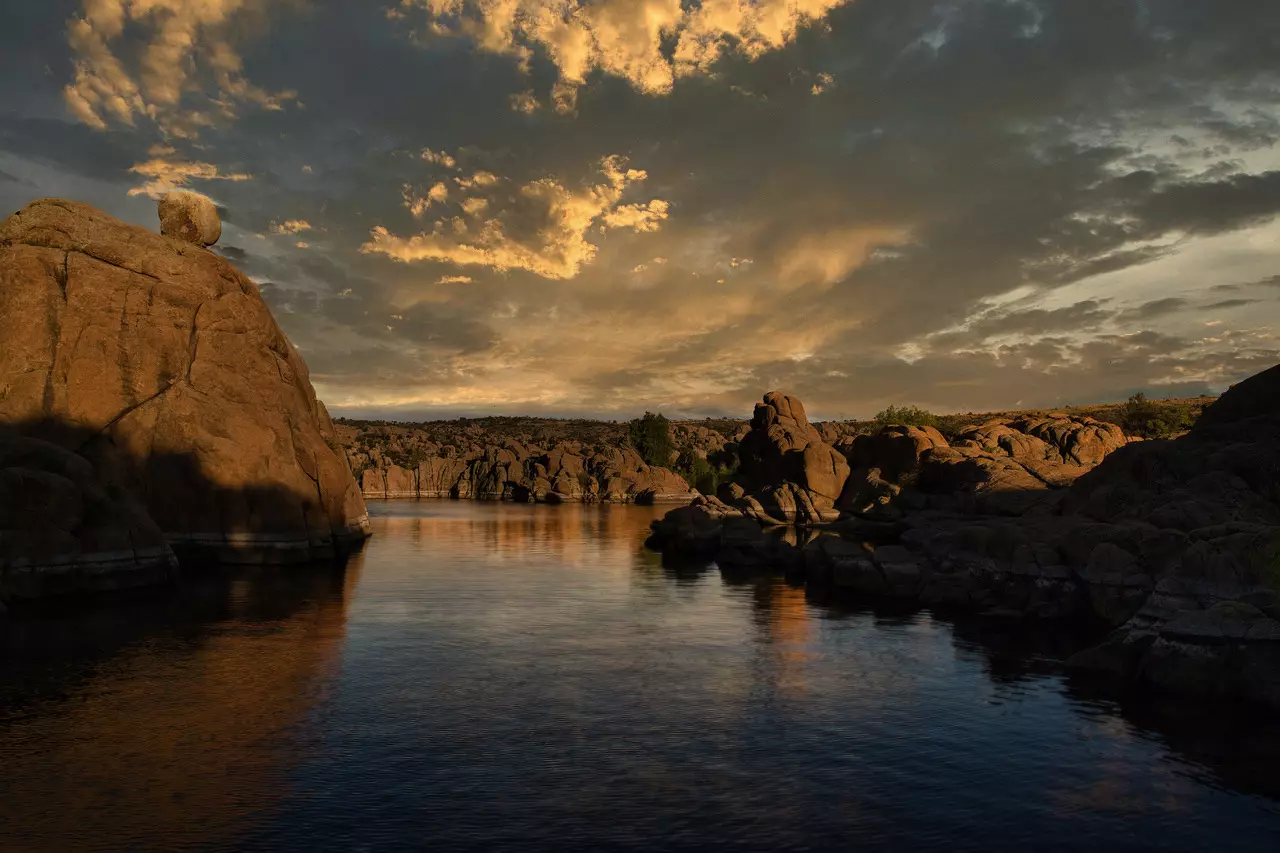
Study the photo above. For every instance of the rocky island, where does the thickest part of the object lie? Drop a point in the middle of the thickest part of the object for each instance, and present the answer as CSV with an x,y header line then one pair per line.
x,y
152,412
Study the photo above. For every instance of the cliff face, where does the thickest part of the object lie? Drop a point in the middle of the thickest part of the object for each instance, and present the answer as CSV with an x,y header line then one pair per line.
x,y
567,473
158,363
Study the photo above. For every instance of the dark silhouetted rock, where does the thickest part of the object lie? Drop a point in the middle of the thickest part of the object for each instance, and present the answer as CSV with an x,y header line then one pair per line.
x,y
63,532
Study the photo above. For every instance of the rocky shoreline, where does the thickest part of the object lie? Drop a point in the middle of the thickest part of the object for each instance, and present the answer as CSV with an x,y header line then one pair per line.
x,y
567,473
1173,544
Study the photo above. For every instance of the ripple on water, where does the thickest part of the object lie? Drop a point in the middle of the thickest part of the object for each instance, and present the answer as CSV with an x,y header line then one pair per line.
x,y
490,676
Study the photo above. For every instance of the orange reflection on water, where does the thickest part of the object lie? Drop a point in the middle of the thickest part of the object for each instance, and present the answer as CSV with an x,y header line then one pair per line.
x,y
177,739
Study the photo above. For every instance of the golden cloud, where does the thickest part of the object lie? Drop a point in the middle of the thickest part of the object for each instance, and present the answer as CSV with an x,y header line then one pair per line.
x,y
185,48
291,226
623,38
542,228
827,257
167,174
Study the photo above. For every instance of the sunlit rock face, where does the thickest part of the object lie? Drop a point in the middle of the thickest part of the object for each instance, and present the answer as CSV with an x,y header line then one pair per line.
x,y
793,474
190,217
159,363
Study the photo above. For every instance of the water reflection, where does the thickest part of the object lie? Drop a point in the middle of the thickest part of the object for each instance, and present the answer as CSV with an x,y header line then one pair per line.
x,y
486,676
154,722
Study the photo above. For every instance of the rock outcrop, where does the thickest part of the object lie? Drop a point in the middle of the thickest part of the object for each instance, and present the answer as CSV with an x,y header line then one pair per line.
x,y
567,473
1009,466
789,473
159,363
1176,543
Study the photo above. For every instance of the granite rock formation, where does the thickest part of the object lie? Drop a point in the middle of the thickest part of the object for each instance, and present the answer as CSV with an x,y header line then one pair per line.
x,y
567,473
159,363
1174,543
789,473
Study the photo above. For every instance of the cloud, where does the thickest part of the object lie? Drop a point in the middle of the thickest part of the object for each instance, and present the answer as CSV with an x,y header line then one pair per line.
x,y
623,38
1230,303
541,227
829,256
167,174
525,102
290,226
172,62
1152,310
959,219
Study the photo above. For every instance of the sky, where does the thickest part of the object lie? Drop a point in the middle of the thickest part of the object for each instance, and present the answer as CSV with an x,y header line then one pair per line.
x,y
602,207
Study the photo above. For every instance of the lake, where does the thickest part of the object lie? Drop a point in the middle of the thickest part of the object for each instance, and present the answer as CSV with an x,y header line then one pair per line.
x,y
486,676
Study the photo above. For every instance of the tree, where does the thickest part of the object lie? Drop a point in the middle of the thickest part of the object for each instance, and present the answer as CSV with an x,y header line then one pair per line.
x,y
651,438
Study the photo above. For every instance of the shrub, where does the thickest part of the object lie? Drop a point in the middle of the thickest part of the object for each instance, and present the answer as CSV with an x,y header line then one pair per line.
x,y
705,475
1149,419
651,438
906,416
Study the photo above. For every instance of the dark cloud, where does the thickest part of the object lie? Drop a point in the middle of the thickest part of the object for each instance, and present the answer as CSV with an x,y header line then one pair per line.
x,y
1154,309
1230,303
1070,154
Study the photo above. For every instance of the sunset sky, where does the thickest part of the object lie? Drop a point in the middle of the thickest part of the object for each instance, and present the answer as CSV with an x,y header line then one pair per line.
x,y
598,207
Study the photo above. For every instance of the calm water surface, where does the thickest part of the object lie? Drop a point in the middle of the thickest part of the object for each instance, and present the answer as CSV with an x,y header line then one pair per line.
x,y
514,677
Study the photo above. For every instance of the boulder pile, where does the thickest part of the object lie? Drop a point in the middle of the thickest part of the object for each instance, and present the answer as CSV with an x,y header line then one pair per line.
x,y
1175,543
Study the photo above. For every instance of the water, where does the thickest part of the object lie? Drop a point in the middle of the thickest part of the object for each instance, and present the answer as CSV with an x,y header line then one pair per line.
x,y
514,677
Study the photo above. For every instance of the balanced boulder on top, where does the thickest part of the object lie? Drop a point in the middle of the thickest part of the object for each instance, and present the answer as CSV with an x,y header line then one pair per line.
x,y
191,217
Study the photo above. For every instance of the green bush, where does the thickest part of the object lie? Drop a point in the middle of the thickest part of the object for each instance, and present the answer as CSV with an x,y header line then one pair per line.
x,y
1149,419
703,474
906,416
651,438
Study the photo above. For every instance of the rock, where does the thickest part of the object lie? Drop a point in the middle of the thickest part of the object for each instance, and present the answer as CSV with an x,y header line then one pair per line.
x,y
989,483
162,366
778,428
63,532
793,475
190,217
824,470
438,478
730,493
895,451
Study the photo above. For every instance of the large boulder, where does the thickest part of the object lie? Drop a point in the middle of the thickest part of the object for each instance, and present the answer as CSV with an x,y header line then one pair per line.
x,y
62,532
159,362
792,474
190,217
895,450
